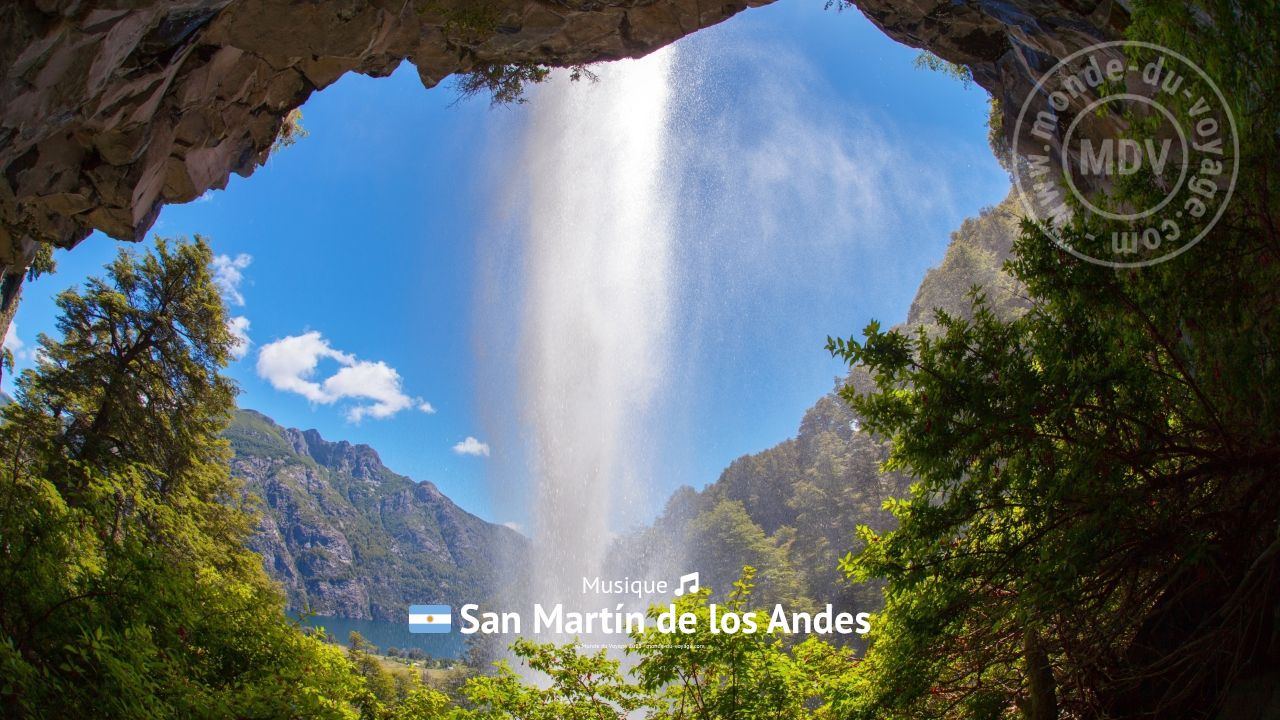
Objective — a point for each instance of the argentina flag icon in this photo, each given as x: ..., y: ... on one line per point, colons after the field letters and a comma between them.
x: 430, y: 618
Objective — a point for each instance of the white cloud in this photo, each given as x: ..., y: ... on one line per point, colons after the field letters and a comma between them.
x: 290, y: 364
x: 12, y: 342
x: 287, y: 363
x: 513, y: 525
x: 374, y: 380
x: 227, y: 276
x: 472, y: 446
x: 239, y: 328
x: 205, y: 197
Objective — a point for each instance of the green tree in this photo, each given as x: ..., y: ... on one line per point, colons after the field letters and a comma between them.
x: 422, y: 703
x: 291, y: 131
x: 127, y: 588
x: 358, y: 643
x: 719, y: 676
x: 579, y: 687
x: 727, y: 539
x: 385, y: 688
x: 1093, y: 527
x: 506, y: 83
x: 928, y: 61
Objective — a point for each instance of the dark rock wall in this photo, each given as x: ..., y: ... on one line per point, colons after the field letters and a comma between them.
x: 109, y: 110
x: 1008, y: 44
x: 344, y: 535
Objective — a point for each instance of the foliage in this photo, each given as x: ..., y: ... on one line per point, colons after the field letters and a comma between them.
x: 928, y: 61
x: 1093, y: 528
x: 392, y: 694
x: 997, y: 140
x: 43, y: 262
x: 470, y: 22
x: 974, y: 258
x: 1091, y: 532
x: 506, y: 83
x: 291, y: 131
x: 707, y: 676
x: 785, y: 511
x: 806, y: 495
x: 728, y: 539
x: 127, y: 590
x: 579, y: 687
x: 686, y: 676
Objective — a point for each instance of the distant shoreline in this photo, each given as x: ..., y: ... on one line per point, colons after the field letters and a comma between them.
x: 386, y: 635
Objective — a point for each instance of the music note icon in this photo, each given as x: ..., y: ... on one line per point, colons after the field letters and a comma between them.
x: 691, y: 580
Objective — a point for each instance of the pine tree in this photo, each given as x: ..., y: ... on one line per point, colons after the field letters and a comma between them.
x: 127, y: 589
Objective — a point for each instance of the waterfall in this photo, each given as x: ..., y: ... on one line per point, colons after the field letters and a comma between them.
x: 596, y: 240
x: 709, y: 198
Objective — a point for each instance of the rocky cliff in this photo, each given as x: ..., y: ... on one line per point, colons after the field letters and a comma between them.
x: 109, y: 110
x: 346, y: 536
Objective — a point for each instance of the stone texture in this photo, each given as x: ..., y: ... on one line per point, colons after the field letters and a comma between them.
x: 343, y: 535
x: 1009, y: 45
x: 109, y: 110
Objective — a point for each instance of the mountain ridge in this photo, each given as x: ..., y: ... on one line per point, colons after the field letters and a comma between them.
x: 345, y: 535
x: 791, y: 510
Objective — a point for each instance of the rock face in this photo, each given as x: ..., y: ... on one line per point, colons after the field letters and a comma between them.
x: 109, y: 110
x: 346, y: 536
x: 1008, y: 44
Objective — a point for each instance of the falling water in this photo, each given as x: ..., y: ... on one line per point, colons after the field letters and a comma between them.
x: 595, y: 311
x: 716, y: 181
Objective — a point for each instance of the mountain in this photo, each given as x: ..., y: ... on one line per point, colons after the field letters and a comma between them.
x: 791, y: 510
x: 974, y: 257
x: 346, y: 536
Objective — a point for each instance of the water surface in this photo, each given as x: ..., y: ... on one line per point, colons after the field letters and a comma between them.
x: 385, y: 635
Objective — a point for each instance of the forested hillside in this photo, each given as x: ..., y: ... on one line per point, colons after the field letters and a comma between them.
x: 1089, y: 527
x: 790, y: 511
x: 346, y: 536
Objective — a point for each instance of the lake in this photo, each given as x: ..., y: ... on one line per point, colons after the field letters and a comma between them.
x: 388, y: 634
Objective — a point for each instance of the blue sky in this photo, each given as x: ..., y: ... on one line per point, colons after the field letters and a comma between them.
x: 816, y: 176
